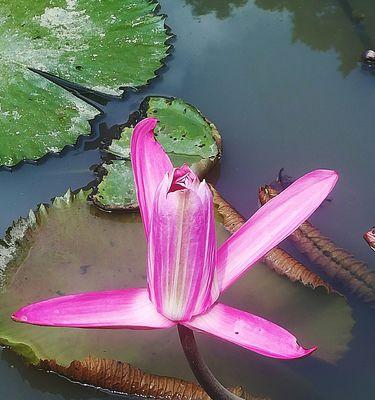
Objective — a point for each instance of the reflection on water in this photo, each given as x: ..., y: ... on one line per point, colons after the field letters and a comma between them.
x: 347, y: 26
x: 221, y: 8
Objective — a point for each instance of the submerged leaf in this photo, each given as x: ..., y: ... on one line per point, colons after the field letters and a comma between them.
x: 186, y: 135
x: 337, y: 263
x: 101, y: 45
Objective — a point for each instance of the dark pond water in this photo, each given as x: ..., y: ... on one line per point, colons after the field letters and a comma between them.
x: 281, y: 80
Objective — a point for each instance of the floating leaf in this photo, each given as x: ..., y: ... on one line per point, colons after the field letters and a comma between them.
x: 116, y: 191
x: 37, y: 117
x: 101, y: 45
x: 185, y: 134
x: 277, y: 259
x: 336, y: 262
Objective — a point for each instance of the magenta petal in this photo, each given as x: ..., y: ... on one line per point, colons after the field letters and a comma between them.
x: 272, y: 223
x: 249, y: 331
x: 150, y: 163
x: 182, y: 247
x: 129, y: 308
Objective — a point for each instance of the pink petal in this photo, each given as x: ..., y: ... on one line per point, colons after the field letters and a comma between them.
x: 182, y: 247
x: 272, y: 223
x: 249, y: 331
x: 129, y: 308
x: 150, y: 163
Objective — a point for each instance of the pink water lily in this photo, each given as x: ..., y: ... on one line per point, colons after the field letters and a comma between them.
x: 186, y: 272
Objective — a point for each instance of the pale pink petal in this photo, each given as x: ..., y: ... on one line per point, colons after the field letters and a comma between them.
x: 129, y: 308
x: 272, y: 223
x: 150, y: 163
x: 249, y: 331
x: 182, y: 247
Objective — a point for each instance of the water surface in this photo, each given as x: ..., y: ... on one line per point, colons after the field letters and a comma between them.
x: 282, y: 82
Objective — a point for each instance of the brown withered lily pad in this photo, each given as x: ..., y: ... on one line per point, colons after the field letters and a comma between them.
x: 277, y: 259
x: 71, y: 246
x: 337, y: 263
x: 122, y: 377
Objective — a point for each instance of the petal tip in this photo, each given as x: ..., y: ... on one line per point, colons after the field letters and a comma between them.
x: 146, y: 125
x: 150, y: 122
x: 327, y: 174
x: 308, y: 352
x: 19, y: 317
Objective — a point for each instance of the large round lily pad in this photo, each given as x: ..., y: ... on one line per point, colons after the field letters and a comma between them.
x: 102, y: 45
x: 72, y: 247
x: 186, y: 135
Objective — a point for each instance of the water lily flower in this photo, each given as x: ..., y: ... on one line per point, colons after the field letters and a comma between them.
x: 185, y: 271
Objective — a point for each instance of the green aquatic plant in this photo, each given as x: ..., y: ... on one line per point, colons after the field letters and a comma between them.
x: 103, y: 46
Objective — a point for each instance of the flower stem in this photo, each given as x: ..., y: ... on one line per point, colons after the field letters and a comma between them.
x: 197, y: 364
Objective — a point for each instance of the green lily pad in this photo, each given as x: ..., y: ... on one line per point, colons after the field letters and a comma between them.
x: 37, y: 117
x: 186, y: 135
x: 71, y: 246
x: 117, y: 187
x: 102, y: 45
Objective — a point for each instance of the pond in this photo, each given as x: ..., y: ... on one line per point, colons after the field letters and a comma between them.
x: 283, y: 83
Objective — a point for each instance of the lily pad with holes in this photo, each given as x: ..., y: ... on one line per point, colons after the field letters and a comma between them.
x: 101, y: 45
x: 186, y: 135
x: 72, y: 246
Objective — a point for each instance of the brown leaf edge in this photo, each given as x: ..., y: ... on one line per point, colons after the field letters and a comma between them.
x: 121, y: 377
x: 201, y: 168
x: 277, y: 259
x: 336, y: 262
